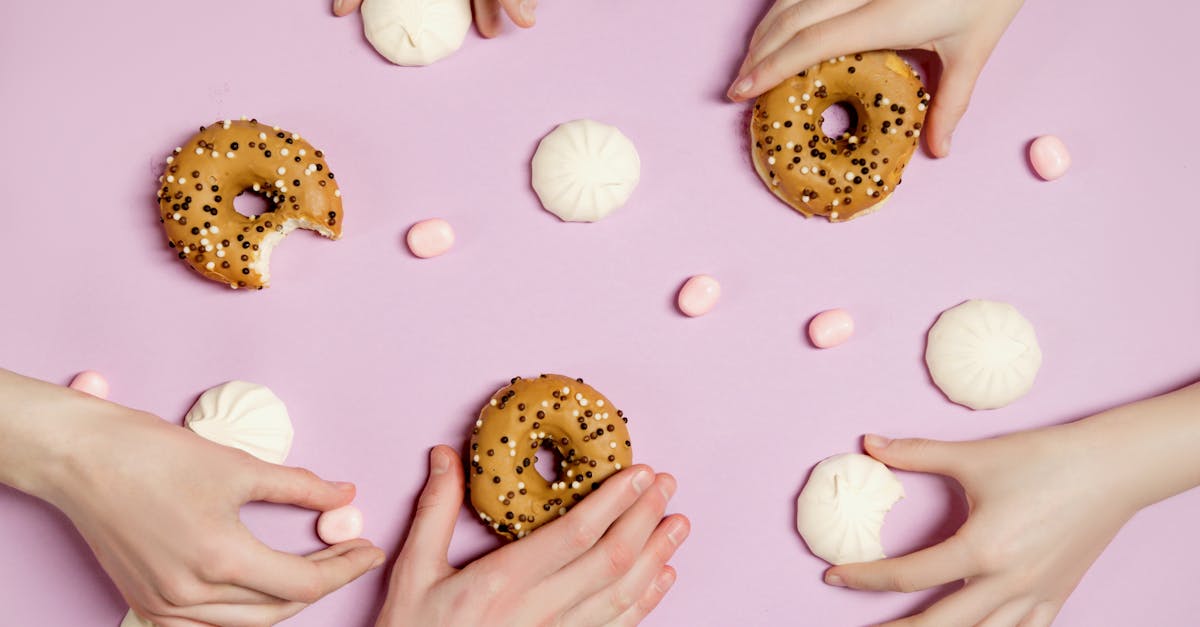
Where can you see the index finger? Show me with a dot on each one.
(555, 545)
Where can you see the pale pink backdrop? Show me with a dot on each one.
(380, 355)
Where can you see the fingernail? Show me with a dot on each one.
(337, 5)
(439, 462)
(342, 485)
(665, 580)
(527, 7)
(667, 488)
(876, 441)
(946, 145)
(834, 580)
(677, 533)
(642, 480)
(742, 87)
(377, 563)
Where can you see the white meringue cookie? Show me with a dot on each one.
(244, 416)
(133, 620)
(983, 354)
(841, 509)
(584, 170)
(416, 32)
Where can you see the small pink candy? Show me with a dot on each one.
(699, 295)
(340, 525)
(830, 328)
(430, 238)
(90, 382)
(1049, 157)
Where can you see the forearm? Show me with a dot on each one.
(1152, 446)
(34, 431)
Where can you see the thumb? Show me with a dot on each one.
(424, 551)
(951, 101)
(918, 454)
(299, 487)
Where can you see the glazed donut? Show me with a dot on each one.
(550, 411)
(196, 191)
(851, 175)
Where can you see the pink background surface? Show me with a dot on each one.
(380, 355)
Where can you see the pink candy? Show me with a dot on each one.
(430, 238)
(340, 525)
(830, 328)
(1049, 157)
(699, 295)
(90, 382)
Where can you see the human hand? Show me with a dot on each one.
(797, 34)
(603, 563)
(1042, 509)
(159, 507)
(487, 13)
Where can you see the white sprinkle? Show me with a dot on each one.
(583, 402)
(215, 229)
(170, 178)
(809, 111)
(876, 178)
(806, 97)
(220, 253)
(886, 101)
(275, 128)
(517, 526)
(617, 465)
(916, 133)
(199, 151)
(796, 108)
(804, 170)
(280, 171)
(893, 131)
(279, 183)
(178, 150)
(612, 445)
(283, 151)
(175, 216)
(210, 265)
(833, 215)
(187, 249)
(226, 124)
(842, 58)
(170, 159)
(494, 402)
(512, 444)
(849, 176)
(215, 154)
(854, 139)
(545, 403)
(337, 193)
(476, 458)
(208, 249)
(500, 497)
(836, 202)
(600, 401)
(229, 155)
(791, 100)
(562, 510)
(574, 484)
(570, 473)
(478, 423)
(833, 61)
(295, 136)
(775, 125)
(771, 160)
(804, 199)
(303, 152)
(870, 192)
(257, 188)
(789, 146)
(921, 107)
(262, 135)
(512, 453)
(819, 84)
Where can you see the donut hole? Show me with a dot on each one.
(838, 119)
(252, 204)
(548, 462)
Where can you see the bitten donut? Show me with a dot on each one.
(848, 176)
(550, 411)
(202, 177)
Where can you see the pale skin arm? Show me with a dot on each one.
(159, 505)
(797, 34)
(488, 13)
(1044, 504)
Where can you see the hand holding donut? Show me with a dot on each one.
(603, 563)
(488, 18)
(1044, 504)
(796, 34)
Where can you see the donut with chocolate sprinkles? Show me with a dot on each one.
(526, 418)
(228, 158)
(839, 178)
